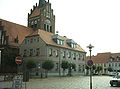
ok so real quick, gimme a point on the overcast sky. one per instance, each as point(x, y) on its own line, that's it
point(85, 21)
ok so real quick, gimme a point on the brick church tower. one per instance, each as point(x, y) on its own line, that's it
point(42, 17)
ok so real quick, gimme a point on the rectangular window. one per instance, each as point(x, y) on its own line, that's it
point(56, 53)
point(64, 54)
point(31, 40)
point(50, 28)
point(38, 39)
point(79, 58)
point(112, 64)
point(116, 64)
point(25, 53)
point(71, 45)
point(104, 65)
point(37, 52)
point(109, 65)
point(83, 58)
point(25, 41)
point(35, 25)
point(44, 26)
point(50, 52)
point(69, 55)
point(31, 52)
point(74, 56)
point(58, 42)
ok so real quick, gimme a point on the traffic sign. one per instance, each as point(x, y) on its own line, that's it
point(18, 60)
point(90, 63)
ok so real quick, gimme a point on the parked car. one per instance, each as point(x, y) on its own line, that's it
point(115, 81)
point(112, 73)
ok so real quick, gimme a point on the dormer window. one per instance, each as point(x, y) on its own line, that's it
point(71, 43)
point(60, 42)
point(57, 39)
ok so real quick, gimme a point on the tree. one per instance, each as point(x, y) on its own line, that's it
point(30, 64)
point(87, 68)
point(48, 65)
point(64, 65)
point(98, 69)
point(110, 69)
point(70, 67)
point(93, 68)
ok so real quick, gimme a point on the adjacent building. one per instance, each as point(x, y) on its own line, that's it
point(11, 36)
point(110, 62)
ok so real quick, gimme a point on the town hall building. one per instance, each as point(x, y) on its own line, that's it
point(39, 41)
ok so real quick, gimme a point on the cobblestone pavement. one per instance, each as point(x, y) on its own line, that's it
point(75, 82)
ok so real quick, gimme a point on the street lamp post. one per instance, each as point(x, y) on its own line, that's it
point(90, 63)
point(59, 64)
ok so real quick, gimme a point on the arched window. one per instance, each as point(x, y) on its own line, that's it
point(47, 25)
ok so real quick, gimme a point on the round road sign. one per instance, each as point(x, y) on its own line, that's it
point(18, 60)
point(90, 63)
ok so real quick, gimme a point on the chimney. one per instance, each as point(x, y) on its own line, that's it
point(31, 10)
point(28, 14)
point(36, 4)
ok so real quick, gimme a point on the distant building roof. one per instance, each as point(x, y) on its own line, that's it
point(104, 57)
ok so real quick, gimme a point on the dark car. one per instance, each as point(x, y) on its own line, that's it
point(115, 81)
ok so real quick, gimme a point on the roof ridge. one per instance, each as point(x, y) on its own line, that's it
point(14, 23)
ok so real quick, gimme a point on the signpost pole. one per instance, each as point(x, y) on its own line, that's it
point(90, 64)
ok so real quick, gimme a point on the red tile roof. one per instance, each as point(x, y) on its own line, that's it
point(35, 12)
point(101, 57)
point(104, 57)
point(47, 38)
point(13, 30)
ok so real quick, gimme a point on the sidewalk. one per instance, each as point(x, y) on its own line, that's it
point(5, 84)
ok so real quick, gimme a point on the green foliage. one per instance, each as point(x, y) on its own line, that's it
point(48, 65)
point(99, 68)
point(64, 65)
point(94, 67)
point(73, 66)
point(30, 64)
point(110, 69)
point(86, 67)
